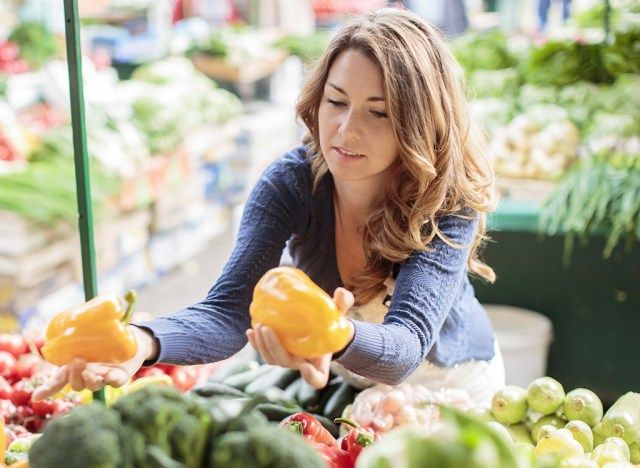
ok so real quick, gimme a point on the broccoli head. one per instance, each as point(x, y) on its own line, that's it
point(263, 447)
point(88, 437)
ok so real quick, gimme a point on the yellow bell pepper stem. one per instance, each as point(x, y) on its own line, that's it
point(131, 298)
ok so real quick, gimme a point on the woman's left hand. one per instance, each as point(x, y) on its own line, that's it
point(314, 371)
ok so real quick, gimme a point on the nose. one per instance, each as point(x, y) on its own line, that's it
point(351, 126)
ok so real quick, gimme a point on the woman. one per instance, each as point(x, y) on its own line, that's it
point(384, 206)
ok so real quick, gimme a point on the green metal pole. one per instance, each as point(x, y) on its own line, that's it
point(607, 20)
point(81, 159)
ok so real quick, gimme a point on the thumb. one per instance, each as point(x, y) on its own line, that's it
point(343, 299)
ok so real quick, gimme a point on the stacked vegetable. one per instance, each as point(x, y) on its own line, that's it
point(565, 111)
point(570, 427)
point(159, 426)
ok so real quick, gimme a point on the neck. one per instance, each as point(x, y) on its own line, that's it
point(354, 201)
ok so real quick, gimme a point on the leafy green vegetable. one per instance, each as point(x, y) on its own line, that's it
point(565, 62)
point(486, 50)
point(599, 196)
point(37, 44)
point(308, 48)
point(623, 56)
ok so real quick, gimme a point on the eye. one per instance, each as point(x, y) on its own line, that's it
point(336, 103)
point(380, 115)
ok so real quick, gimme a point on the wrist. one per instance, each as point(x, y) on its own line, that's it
point(148, 347)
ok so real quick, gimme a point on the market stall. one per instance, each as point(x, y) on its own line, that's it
point(173, 146)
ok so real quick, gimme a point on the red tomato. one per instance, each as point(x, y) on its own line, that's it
point(184, 377)
point(5, 389)
point(26, 366)
point(22, 393)
point(24, 414)
point(43, 407)
point(148, 371)
point(7, 364)
point(7, 410)
point(34, 425)
point(13, 344)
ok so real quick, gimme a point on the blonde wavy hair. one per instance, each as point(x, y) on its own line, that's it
point(443, 167)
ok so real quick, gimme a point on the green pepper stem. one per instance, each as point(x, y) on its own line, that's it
point(347, 421)
point(131, 298)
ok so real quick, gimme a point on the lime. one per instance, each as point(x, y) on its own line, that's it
point(552, 419)
point(520, 433)
point(582, 433)
point(501, 430)
point(634, 451)
point(509, 405)
point(545, 395)
point(607, 453)
point(578, 461)
point(583, 405)
point(523, 453)
point(620, 443)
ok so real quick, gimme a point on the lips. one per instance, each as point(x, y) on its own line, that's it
point(347, 155)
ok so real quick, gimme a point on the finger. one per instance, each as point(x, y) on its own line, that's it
point(261, 347)
point(250, 336)
point(280, 355)
point(75, 374)
point(116, 377)
point(313, 376)
point(92, 380)
point(53, 386)
point(343, 299)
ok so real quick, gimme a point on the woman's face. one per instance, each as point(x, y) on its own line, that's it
point(356, 135)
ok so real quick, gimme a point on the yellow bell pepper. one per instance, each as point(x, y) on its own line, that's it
point(96, 331)
point(306, 320)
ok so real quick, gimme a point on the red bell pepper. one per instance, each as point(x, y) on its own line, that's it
point(309, 427)
point(357, 439)
point(334, 456)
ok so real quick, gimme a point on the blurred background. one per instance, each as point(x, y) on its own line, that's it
point(187, 101)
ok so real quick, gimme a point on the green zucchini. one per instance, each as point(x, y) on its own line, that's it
point(241, 380)
point(326, 394)
point(308, 396)
point(339, 399)
point(291, 392)
point(278, 377)
point(209, 389)
point(233, 368)
point(275, 412)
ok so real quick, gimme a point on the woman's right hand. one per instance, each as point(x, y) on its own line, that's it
point(95, 375)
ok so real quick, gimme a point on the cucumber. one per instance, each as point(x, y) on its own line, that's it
point(278, 377)
point(308, 396)
point(326, 394)
point(275, 412)
point(233, 368)
point(240, 381)
point(328, 424)
point(343, 395)
point(209, 389)
point(291, 392)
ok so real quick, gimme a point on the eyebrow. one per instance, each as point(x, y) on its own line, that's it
point(340, 90)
